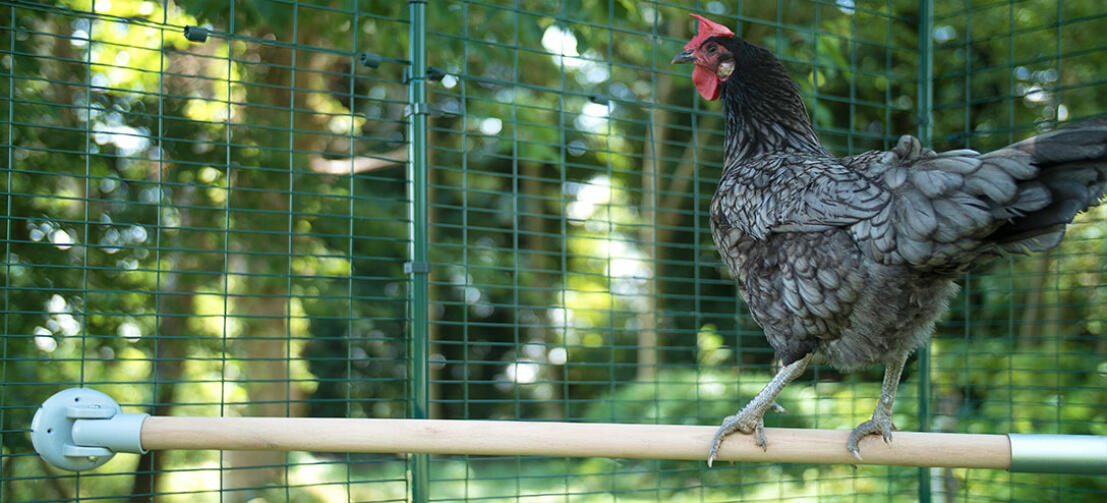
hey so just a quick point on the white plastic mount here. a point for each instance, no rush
(81, 429)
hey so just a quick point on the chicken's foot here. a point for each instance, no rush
(751, 419)
(881, 423)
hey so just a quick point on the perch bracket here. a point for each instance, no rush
(80, 429)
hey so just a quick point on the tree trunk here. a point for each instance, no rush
(264, 365)
(169, 358)
(175, 307)
(534, 221)
(948, 406)
(653, 150)
(1032, 313)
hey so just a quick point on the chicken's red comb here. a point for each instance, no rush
(708, 29)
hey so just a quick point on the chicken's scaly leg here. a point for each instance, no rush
(882, 416)
(751, 419)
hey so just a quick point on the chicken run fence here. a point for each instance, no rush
(497, 210)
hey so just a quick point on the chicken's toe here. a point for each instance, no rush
(879, 424)
(746, 421)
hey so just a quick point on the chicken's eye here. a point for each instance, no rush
(711, 49)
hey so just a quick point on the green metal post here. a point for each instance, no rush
(925, 121)
(926, 71)
(418, 269)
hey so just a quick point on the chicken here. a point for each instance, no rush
(851, 261)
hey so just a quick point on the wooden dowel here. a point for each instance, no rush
(509, 438)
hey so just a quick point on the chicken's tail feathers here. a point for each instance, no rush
(1060, 174)
(1082, 141)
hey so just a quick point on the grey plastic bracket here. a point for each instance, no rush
(80, 429)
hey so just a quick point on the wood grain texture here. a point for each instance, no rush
(507, 438)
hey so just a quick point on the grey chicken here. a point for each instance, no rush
(852, 259)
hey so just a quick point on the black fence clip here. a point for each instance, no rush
(369, 59)
(427, 109)
(433, 74)
(436, 74)
(196, 34)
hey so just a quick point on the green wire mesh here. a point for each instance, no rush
(220, 227)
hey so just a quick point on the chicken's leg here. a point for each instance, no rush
(751, 419)
(882, 416)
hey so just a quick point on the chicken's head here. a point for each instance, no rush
(714, 61)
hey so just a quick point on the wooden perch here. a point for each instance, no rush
(81, 428)
(517, 438)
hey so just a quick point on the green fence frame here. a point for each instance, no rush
(419, 268)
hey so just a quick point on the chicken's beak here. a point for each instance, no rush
(687, 56)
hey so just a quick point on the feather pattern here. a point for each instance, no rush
(855, 257)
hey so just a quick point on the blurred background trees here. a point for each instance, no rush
(219, 228)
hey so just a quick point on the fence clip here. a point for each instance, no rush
(434, 74)
(416, 268)
(369, 59)
(196, 34)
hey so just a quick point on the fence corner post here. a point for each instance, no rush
(925, 120)
(417, 269)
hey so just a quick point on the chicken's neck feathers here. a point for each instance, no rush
(765, 114)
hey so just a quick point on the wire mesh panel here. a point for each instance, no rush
(220, 224)
(1023, 348)
(574, 273)
(211, 227)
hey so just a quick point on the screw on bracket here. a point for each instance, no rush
(80, 429)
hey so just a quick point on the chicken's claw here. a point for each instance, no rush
(748, 420)
(879, 424)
